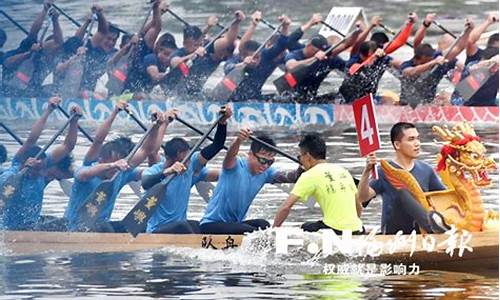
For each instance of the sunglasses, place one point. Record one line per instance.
(264, 161)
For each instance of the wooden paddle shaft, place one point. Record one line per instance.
(14, 22)
(195, 148)
(55, 136)
(11, 133)
(178, 17)
(85, 133)
(77, 24)
(274, 148)
(136, 147)
(444, 29)
(195, 129)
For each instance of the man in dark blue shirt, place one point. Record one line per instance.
(400, 210)
(99, 50)
(422, 74)
(263, 65)
(473, 51)
(319, 64)
(25, 68)
(190, 82)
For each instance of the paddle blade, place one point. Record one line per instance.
(118, 77)
(226, 87)
(183, 67)
(23, 75)
(472, 83)
(92, 208)
(70, 86)
(10, 189)
(356, 67)
(290, 80)
(205, 190)
(66, 186)
(136, 220)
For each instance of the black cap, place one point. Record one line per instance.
(319, 42)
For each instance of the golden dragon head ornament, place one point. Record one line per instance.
(464, 154)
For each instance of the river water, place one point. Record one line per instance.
(173, 273)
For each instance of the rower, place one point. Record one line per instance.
(101, 162)
(171, 214)
(319, 70)
(263, 64)
(486, 95)
(24, 211)
(472, 51)
(400, 210)
(366, 80)
(144, 46)
(100, 48)
(18, 78)
(239, 182)
(331, 185)
(208, 60)
(422, 74)
(154, 68)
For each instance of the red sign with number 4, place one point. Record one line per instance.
(366, 125)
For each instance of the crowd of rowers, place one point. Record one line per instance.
(155, 60)
(239, 180)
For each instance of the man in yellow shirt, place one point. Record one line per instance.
(332, 186)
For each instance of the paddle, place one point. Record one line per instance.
(178, 17)
(399, 40)
(392, 32)
(93, 205)
(476, 79)
(11, 133)
(136, 220)
(290, 80)
(70, 86)
(85, 133)
(24, 72)
(184, 67)
(118, 76)
(443, 28)
(77, 24)
(449, 49)
(203, 188)
(12, 186)
(14, 22)
(226, 87)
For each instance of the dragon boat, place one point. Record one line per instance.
(471, 245)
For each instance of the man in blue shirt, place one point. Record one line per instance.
(101, 162)
(24, 211)
(171, 214)
(239, 182)
(189, 82)
(400, 210)
(263, 65)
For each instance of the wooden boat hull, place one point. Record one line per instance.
(260, 114)
(484, 246)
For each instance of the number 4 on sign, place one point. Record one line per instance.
(366, 126)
